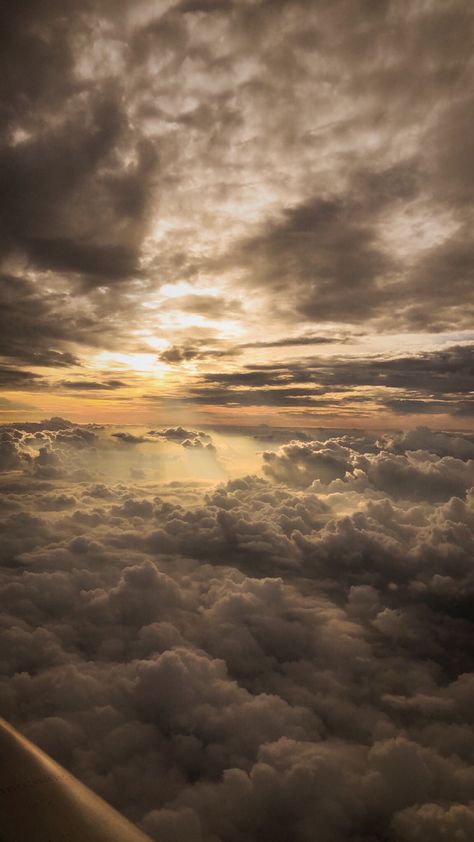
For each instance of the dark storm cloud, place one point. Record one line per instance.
(284, 657)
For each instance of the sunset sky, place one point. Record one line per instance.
(233, 211)
(236, 442)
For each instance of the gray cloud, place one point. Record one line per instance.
(129, 438)
(293, 341)
(279, 153)
(14, 378)
(446, 375)
(326, 254)
(91, 385)
(211, 306)
(67, 174)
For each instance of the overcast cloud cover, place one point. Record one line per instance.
(193, 189)
(283, 655)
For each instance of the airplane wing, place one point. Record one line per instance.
(41, 802)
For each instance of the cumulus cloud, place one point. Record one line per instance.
(281, 655)
(189, 439)
(413, 474)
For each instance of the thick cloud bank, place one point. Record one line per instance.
(282, 656)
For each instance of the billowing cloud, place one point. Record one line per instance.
(295, 641)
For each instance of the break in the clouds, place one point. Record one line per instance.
(283, 654)
(192, 183)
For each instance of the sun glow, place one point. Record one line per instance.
(136, 363)
(176, 290)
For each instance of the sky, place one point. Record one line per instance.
(236, 444)
(237, 211)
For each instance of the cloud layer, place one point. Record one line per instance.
(284, 655)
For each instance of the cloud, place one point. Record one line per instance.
(414, 474)
(13, 378)
(38, 326)
(177, 354)
(422, 438)
(195, 350)
(300, 639)
(414, 378)
(327, 255)
(11, 455)
(181, 436)
(130, 438)
(286, 654)
(292, 341)
(91, 385)
(61, 167)
(210, 306)
(431, 821)
(278, 159)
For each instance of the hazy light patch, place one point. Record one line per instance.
(238, 454)
(177, 320)
(410, 230)
(19, 136)
(176, 290)
(155, 342)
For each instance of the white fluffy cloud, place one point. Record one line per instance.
(281, 656)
